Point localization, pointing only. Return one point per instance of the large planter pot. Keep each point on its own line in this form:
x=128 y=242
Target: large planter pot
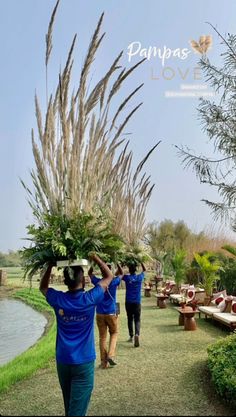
x=76 y=262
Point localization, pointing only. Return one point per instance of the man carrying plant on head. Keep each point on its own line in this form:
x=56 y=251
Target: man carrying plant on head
x=75 y=345
x=133 y=284
x=107 y=318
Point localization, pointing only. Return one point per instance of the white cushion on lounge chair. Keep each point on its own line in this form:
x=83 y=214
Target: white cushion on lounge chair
x=208 y=310
x=176 y=296
x=225 y=317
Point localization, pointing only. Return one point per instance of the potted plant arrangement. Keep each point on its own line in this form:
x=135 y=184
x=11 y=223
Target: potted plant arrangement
x=209 y=266
x=134 y=254
x=64 y=241
x=85 y=195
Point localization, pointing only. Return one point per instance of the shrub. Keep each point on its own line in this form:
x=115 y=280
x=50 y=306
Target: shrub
x=193 y=276
x=222 y=365
x=228 y=277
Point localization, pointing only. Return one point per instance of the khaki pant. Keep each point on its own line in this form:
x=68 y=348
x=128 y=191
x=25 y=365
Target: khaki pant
x=104 y=322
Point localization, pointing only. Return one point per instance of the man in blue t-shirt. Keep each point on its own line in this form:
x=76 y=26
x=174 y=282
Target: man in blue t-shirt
x=133 y=301
x=107 y=319
x=75 y=345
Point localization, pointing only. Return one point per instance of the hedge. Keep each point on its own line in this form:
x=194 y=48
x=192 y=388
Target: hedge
x=222 y=365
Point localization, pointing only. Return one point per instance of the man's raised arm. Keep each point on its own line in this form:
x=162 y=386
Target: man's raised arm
x=119 y=271
x=44 y=283
x=143 y=267
x=106 y=272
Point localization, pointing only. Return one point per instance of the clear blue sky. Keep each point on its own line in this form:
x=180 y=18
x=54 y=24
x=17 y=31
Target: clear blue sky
x=153 y=23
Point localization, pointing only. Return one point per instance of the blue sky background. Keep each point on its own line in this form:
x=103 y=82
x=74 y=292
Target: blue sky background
x=23 y=27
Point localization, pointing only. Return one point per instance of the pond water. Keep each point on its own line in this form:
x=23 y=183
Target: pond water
x=20 y=327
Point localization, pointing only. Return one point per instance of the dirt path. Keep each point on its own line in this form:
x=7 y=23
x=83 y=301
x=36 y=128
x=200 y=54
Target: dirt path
x=6 y=292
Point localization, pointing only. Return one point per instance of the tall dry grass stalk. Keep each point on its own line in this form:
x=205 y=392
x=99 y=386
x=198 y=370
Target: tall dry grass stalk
x=211 y=240
x=86 y=163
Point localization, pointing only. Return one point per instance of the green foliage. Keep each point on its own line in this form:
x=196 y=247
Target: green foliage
x=193 y=276
x=167 y=236
x=218 y=120
x=228 y=277
x=222 y=365
x=230 y=249
x=178 y=263
x=134 y=255
x=10 y=259
x=209 y=266
x=59 y=237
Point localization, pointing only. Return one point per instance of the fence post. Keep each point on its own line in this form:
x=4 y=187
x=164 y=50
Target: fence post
x=3 y=277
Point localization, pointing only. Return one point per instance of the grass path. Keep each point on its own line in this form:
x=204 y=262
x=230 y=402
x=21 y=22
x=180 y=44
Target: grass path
x=165 y=376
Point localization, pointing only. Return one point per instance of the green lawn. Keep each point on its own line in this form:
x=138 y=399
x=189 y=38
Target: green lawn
x=166 y=376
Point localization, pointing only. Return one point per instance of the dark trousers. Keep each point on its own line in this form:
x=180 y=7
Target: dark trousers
x=133 y=311
x=77 y=384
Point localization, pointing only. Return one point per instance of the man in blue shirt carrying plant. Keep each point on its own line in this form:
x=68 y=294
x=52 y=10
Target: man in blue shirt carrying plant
x=75 y=345
x=107 y=318
x=133 y=301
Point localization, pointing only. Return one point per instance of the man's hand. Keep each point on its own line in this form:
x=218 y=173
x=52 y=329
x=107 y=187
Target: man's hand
x=106 y=273
x=144 y=269
x=92 y=255
x=119 y=270
x=90 y=271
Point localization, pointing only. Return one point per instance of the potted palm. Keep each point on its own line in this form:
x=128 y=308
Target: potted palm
x=209 y=266
x=178 y=263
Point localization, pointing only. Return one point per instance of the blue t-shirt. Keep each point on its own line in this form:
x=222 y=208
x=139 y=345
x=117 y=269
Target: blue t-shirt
x=133 y=287
x=75 y=312
x=108 y=304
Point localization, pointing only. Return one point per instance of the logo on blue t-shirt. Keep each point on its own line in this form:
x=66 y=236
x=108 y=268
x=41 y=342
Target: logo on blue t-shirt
x=75 y=324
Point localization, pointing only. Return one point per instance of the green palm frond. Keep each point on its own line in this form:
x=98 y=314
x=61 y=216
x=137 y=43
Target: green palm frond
x=230 y=249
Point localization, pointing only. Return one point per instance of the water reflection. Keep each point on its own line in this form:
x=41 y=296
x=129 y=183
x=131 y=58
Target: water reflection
x=20 y=327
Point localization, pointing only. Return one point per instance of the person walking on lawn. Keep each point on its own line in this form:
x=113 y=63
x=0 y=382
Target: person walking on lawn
x=133 y=284
x=107 y=318
x=75 y=345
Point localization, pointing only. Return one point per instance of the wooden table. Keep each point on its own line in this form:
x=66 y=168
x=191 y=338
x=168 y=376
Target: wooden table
x=147 y=292
x=161 y=301
x=186 y=318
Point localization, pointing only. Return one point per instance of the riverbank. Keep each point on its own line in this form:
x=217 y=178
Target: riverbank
x=40 y=354
x=6 y=292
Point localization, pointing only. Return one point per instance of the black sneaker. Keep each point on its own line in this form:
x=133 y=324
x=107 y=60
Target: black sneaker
x=136 y=341
x=111 y=362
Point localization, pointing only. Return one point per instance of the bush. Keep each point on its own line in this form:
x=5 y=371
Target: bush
x=10 y=259
x=222 y=365
x=228 y=277
x=193 y=276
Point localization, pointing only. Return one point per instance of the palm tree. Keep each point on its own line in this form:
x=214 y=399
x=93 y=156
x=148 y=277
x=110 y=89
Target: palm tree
x=209 y=269
x=178 y=263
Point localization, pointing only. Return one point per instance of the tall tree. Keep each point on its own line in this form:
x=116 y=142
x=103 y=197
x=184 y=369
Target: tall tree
x=167 y=236
x=218 y=119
